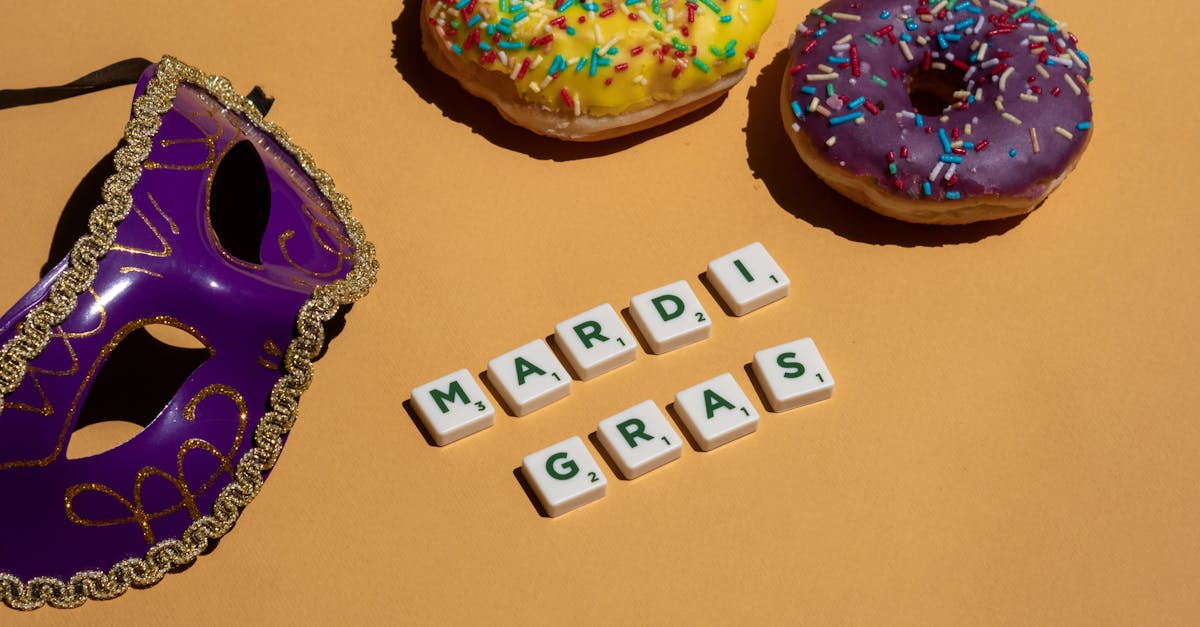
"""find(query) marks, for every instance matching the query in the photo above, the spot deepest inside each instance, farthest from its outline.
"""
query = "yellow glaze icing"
(606, 61)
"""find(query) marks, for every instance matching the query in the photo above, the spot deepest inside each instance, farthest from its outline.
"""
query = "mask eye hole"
(239, 202)
(134, 384)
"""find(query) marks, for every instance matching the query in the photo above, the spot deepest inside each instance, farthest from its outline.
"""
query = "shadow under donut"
(773, 160)
(482, 118)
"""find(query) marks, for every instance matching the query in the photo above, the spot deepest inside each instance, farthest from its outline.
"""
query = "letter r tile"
(639, 439)
(595, 342)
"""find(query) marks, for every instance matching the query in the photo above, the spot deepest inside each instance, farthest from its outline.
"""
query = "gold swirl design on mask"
(320, 229)
(166, 246)
(128, 269)
(187, 493)
(272, 351)
(208, 140)
(35, 375)
(157, 207)
(69, 417)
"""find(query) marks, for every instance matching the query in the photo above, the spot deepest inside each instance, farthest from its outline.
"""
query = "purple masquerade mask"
(199, 169)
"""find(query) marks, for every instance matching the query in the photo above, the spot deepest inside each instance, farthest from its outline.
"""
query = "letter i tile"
(748, 279)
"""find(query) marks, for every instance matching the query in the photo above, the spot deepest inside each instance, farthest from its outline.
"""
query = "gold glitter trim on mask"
(295, 369)
(187, 494)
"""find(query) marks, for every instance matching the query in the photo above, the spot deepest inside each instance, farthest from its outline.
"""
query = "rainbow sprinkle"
(512, 35)
(1011, 57)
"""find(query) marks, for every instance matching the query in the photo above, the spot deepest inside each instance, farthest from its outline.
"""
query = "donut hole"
(932, 90)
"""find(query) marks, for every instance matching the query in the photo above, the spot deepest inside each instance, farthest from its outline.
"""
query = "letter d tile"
(670, 317)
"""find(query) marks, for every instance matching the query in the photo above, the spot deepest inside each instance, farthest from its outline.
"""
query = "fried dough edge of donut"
(498, 89)
(866, 191)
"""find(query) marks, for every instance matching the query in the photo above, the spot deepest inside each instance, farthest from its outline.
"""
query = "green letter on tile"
(569, 467)
(676, 301)
(788, 361)
(454, 391)
(633, 429)
(588, 331)
(737, 263)
(714, 401)
(525, 368)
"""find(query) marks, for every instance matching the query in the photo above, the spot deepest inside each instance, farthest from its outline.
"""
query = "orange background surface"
(1013, 439)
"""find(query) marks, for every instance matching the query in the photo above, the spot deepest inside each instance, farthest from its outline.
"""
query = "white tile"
(670, 317)
(529, 378)
(639, 439)
(716, 412)
(565, 476)
(792, 375)
(748, 279)
(595, 342)
(453, 407)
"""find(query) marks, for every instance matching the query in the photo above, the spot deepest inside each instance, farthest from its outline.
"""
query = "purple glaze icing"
(62, 516)
(862, 149)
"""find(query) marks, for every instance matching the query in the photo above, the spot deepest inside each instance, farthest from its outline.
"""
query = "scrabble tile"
(595, 342)
(529, 378)
(716, 412)
(639, 439)
(748, 279)
(453, 407)
(792, 375)
(565, 476)
(670, 317)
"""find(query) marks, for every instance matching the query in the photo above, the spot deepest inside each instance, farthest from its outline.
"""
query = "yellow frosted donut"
(589, 70)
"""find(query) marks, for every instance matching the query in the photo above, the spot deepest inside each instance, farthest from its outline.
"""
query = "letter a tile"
(716, 412)
(529, 378)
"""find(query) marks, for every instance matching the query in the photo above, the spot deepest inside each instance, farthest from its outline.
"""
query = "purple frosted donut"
(942, 112)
